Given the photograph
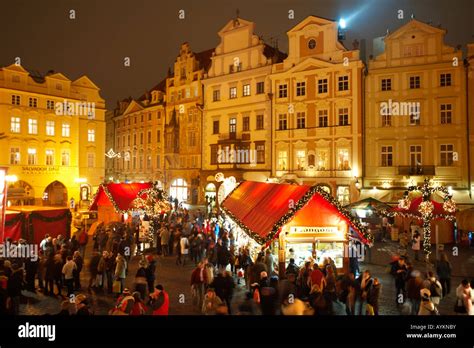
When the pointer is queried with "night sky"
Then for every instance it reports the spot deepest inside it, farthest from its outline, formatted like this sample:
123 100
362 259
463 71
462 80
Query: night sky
150 32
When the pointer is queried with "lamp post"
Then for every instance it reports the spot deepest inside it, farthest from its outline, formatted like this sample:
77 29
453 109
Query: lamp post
426 208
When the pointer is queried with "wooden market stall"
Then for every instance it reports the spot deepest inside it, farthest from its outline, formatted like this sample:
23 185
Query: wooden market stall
300 217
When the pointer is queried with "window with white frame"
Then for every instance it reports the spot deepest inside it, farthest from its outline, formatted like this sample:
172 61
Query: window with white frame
343 114
91 136
50 128
49 157
415 155
32 102
282 122
301 159
445 80
15 125
246 90
300 120
446 112
14 155
323 118
65 157
282 160
232 92
386 84
300 89
415 114
32 158
283 91
343 195
343 83
32 126
322 86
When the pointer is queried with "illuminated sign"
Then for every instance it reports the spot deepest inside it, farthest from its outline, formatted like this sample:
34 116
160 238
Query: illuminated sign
303 229
40 169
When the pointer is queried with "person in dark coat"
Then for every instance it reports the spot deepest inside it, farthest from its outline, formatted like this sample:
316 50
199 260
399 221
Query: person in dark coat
223 255
77 258
292 268
443 269
399 272
141 279
14 286
93 265
58 272
150 273
31 268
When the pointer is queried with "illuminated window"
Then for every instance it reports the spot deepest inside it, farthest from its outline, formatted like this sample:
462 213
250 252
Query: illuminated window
15 125
386 156
65 158
343 160
66 130
415 155
32 159
91 135
447 152
301 159
49 157
246 90
282 160
260 147
50 128
15 155
32 126
343 195
233 92
323 163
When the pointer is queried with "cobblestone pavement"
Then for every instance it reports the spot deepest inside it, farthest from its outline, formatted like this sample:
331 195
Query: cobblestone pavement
175 280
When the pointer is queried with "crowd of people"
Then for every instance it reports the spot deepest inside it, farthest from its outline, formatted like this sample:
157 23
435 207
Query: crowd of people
311 288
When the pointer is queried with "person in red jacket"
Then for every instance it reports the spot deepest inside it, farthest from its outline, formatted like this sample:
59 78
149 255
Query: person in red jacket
198 282
159 301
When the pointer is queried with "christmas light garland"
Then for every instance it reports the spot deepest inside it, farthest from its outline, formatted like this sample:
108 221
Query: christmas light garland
367 238
426 209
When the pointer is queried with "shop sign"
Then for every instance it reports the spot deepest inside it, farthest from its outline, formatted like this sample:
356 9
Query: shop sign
40 169
313 230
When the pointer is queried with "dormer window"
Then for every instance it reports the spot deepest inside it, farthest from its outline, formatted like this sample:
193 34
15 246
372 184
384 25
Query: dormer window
312 44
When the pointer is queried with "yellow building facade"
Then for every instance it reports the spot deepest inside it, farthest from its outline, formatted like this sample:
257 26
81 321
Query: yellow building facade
416 115
183 125
53 135
237 106
317 110
137 152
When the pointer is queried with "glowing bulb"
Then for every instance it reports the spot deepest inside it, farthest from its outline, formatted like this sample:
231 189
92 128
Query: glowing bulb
342 23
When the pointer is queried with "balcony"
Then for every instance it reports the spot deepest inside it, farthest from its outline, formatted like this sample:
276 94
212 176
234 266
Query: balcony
416 170
232 138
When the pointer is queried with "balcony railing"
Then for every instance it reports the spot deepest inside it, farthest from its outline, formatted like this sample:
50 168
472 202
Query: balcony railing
416 170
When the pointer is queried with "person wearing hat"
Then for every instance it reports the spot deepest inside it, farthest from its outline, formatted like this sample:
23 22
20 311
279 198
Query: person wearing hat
159 301
427 307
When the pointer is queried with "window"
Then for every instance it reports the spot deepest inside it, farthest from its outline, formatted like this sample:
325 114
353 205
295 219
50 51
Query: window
343 160
259 122
343 83
158 161
447 151
415 82
386 84
282 122
191 138
15 125
91 160
158 136
215 127
311 44
260 87
140 162
323 160
246 90
246 124
322 86
16 99
300 89
148 162
134 139
216 95
14 155
233 92
260 147
387 156
32 126
148 137
311 160
31 156
386 120
343 116
91 135
445 80
282 160
343 195
214 153
50 128
49 157
283 91
128 140
65 158
323 118
446 111
141 138
300 120
135 120
300 159
232 126
149 116
134 163
50 104
415 114
32 102
415 155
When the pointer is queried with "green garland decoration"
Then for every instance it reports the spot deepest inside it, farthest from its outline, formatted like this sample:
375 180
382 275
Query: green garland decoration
292 211
13 221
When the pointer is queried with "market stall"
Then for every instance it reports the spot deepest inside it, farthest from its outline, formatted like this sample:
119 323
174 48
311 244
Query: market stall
14 224
303 218
38 221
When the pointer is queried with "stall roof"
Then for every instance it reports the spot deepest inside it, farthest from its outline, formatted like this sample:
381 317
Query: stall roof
261 209
119 195
368 202
415 203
